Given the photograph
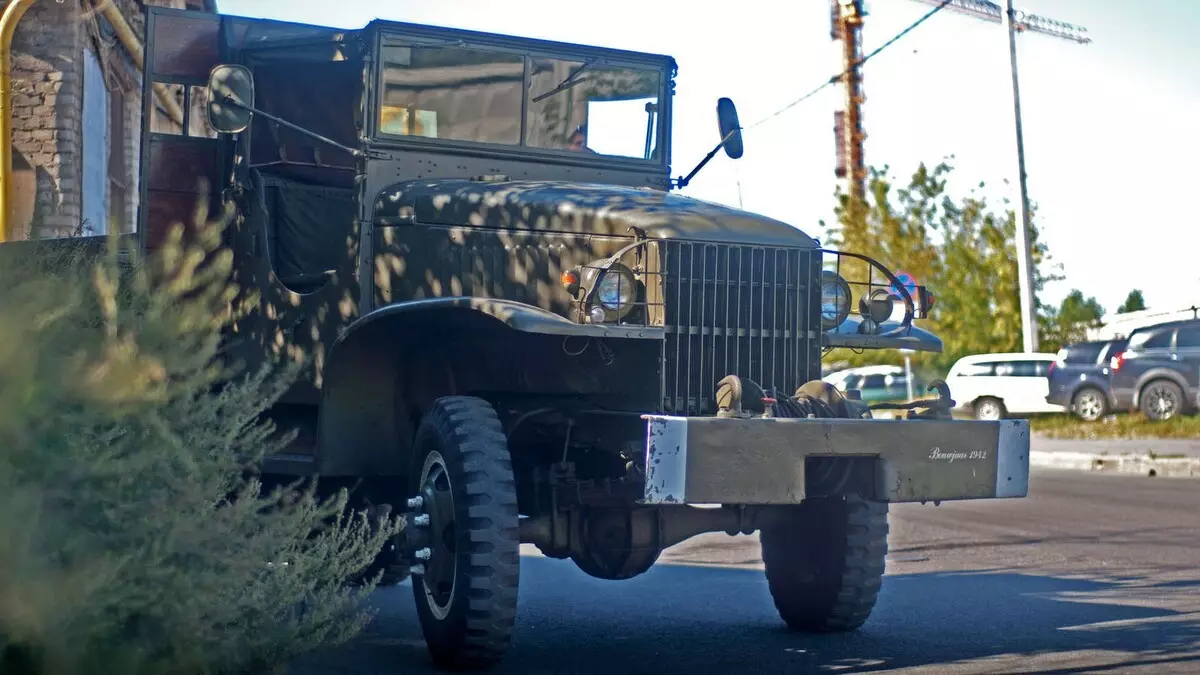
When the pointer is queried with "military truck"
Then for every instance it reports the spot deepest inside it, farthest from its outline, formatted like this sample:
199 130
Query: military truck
518 331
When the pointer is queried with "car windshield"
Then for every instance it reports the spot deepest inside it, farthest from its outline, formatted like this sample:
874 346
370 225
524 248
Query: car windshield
471 94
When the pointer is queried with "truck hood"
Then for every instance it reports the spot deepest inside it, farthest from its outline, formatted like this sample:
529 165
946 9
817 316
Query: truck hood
590 208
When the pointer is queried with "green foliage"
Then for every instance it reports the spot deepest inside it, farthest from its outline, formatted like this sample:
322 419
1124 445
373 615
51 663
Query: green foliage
1123 426
1068 323
133 537
1134 302
963 250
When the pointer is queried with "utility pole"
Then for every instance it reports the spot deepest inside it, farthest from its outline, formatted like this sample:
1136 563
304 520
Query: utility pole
846 19
1029 333
1008 17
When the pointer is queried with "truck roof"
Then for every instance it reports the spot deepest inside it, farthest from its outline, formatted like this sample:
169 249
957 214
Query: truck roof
259 29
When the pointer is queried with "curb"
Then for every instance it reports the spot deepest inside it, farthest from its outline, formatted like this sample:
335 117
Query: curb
1139 464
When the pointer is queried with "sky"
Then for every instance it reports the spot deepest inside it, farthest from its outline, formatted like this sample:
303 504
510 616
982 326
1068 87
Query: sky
1110 127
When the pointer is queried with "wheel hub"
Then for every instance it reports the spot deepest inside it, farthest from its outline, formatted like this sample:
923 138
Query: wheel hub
438 566
1089 406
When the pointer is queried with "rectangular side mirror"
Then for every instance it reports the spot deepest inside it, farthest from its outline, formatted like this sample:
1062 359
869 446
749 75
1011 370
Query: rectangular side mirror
230 98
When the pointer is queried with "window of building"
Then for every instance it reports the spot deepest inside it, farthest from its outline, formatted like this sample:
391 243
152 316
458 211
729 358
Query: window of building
94 205
118 161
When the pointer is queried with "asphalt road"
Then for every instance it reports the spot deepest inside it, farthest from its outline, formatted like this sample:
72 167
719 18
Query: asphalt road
1090 574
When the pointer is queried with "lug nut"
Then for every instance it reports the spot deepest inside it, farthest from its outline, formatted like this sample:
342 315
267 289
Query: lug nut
421 520
416 502
417 570
423 554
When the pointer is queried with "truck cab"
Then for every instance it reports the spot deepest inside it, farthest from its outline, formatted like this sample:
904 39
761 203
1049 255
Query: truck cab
516 330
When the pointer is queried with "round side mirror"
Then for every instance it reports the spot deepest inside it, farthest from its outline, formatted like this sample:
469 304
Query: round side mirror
230 98
730 127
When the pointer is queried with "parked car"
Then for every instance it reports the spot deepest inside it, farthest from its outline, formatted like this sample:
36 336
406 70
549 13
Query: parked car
875 383
994 386
1079 377
1159 370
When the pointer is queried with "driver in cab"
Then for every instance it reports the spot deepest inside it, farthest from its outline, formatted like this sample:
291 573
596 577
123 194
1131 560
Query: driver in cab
578 140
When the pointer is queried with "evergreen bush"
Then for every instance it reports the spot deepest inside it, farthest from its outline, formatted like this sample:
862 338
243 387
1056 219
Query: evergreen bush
134 537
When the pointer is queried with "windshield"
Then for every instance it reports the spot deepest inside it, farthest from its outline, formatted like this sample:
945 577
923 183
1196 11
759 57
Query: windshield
477 95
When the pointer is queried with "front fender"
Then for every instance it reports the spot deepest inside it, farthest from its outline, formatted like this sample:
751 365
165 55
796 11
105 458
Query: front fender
380 362
515 315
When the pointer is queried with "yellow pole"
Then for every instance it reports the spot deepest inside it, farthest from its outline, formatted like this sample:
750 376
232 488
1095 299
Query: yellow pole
8 29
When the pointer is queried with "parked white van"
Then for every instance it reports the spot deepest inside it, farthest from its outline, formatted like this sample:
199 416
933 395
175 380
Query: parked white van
993 386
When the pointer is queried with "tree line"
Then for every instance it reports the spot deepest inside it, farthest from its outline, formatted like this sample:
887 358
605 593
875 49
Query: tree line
964 249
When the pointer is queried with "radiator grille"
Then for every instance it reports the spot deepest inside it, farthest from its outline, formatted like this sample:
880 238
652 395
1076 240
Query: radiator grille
733 309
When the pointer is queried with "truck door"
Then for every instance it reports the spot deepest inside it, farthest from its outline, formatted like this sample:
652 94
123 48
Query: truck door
180 152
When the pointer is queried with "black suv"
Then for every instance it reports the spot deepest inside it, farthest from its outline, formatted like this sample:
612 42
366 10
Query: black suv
1079 377
1159 370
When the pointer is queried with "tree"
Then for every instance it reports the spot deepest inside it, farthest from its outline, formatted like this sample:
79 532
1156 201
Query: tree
1069 323
134 538
963 250
1134 302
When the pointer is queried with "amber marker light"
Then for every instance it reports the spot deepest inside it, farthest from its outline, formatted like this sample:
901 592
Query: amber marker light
570 281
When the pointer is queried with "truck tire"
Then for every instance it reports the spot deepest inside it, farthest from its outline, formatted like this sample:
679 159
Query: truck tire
467 596
825 562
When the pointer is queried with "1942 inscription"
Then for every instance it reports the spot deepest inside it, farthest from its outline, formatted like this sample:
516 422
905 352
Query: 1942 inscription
937 454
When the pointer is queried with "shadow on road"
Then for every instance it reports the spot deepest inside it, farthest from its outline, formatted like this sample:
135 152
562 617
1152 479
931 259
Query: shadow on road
682 619
1158 536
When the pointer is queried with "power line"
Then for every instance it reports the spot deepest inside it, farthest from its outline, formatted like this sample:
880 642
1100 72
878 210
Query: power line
839 76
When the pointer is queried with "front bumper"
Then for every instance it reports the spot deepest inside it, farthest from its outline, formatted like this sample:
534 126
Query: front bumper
709 460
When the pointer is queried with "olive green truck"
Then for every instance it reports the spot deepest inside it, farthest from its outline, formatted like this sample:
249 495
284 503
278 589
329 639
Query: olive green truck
518 331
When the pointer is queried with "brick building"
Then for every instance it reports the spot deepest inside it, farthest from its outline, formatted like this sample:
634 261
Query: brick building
76 115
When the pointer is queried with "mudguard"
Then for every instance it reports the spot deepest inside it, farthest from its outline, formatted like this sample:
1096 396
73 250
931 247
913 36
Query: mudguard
515 315
359 429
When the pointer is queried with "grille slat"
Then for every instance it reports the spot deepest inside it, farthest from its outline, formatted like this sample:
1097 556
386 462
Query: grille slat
749 309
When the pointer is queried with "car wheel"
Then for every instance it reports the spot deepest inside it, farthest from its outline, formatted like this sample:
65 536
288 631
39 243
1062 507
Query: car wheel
1161 400
1089 404
989 409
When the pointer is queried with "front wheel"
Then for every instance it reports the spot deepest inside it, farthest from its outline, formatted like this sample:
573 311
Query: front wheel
467 595
825 561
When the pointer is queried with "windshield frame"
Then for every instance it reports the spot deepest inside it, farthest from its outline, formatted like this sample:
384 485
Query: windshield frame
528 49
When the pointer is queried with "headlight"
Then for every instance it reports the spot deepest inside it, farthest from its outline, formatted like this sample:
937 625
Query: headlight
612 292
617 289
835 300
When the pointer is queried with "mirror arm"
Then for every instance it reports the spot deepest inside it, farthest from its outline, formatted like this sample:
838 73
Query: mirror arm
683 182
294 127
